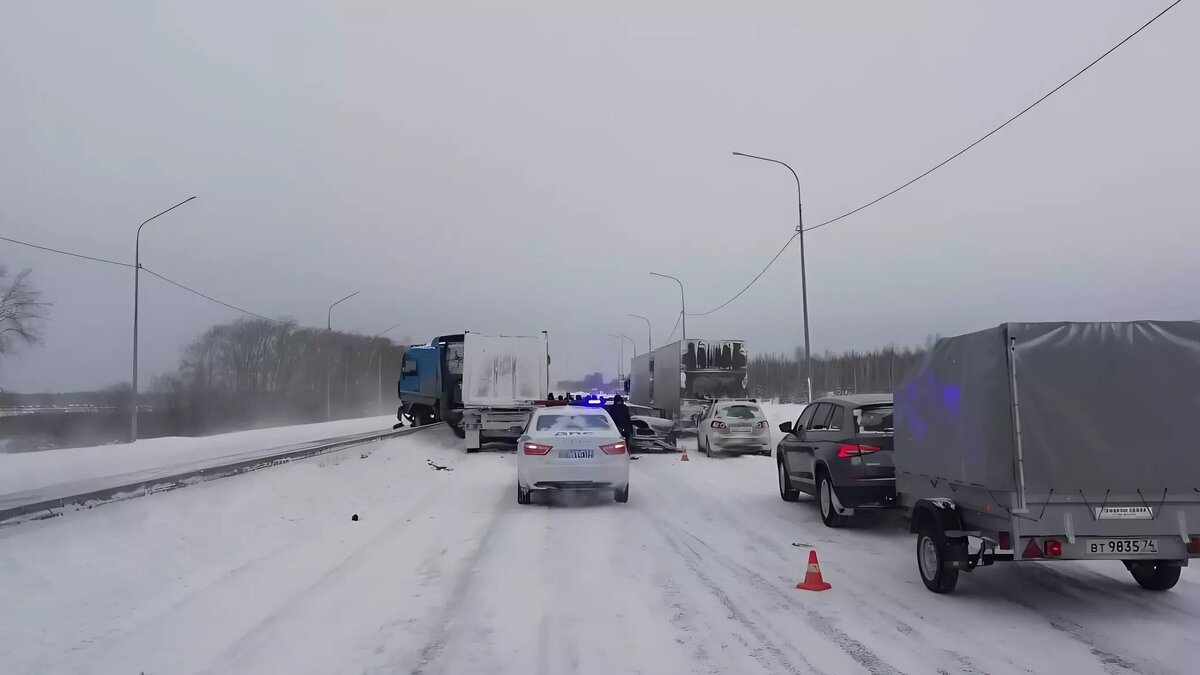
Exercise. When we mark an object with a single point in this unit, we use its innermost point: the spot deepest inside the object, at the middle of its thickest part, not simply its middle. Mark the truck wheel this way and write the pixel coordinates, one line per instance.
(786, 492)
(825, 494)
(931, 558)
(524, 496)
(1154, 575)
(458, 430)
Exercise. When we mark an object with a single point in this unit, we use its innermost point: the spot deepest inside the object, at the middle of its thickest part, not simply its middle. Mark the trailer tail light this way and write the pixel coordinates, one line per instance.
(1032, 550)
(617, 448)
(1193, 547)
(846, 450)
(1006, 541)
(537, 448)
(717, 424)
(1053, 548)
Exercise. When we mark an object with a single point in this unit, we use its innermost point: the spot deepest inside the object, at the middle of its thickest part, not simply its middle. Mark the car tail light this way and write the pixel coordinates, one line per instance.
(1006, 541)
(846, 450)
(617, 448)
(1193, 547)
(761, 425)
(537, 448)
(1032, 550)
(1053, 548)
(717, 424)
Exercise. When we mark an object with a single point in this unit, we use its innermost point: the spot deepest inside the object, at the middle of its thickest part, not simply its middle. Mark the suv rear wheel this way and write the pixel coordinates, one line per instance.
(825, 496)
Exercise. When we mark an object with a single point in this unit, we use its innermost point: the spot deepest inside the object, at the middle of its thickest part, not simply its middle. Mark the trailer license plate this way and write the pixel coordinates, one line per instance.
(1122, 546)
(576, 454)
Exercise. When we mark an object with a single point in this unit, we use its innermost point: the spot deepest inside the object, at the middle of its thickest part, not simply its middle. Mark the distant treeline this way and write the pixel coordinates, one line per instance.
(253, 372)
(781, 376)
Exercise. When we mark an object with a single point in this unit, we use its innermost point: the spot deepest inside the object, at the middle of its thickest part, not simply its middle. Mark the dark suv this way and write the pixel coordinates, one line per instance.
(840, 450)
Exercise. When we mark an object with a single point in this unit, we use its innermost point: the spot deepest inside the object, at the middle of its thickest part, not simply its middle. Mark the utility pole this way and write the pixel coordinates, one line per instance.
(137, 267)
(803, 276)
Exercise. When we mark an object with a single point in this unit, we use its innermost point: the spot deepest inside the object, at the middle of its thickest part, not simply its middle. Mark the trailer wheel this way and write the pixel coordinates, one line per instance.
(1155, 575)
(932, 550)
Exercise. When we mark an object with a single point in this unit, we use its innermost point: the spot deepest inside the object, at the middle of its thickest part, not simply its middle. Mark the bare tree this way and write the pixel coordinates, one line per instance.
(21, 314)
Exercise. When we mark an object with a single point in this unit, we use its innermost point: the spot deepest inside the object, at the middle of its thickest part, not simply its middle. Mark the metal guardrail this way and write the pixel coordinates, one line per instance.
(147, 486)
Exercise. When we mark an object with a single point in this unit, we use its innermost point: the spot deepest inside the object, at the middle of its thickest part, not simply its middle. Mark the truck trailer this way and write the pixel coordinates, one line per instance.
(1053, 441)
(679, 377)
(482, 386)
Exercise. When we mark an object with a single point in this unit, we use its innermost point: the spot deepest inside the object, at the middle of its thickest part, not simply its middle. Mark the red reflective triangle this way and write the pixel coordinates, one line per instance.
(1032, 550)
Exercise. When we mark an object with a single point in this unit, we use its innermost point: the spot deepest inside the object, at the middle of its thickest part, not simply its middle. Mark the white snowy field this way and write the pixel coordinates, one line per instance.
(28, 471)
(446, 573)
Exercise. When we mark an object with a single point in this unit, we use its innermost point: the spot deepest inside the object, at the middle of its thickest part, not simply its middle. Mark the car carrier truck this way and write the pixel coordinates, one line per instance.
(1053, 441)
(482, 386)
(678, 378)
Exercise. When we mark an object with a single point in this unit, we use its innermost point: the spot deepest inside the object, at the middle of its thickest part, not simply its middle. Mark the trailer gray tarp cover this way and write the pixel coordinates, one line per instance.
(1103, 406)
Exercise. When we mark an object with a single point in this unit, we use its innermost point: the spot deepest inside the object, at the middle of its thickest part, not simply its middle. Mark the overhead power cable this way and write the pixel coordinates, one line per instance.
(946, 161)
(62, 252)
(207, 297)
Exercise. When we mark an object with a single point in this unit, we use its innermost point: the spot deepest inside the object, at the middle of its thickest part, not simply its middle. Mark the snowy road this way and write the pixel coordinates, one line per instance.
(445, 573)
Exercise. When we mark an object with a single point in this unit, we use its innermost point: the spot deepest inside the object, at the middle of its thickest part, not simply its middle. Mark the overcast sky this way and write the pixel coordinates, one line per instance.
(521, 169)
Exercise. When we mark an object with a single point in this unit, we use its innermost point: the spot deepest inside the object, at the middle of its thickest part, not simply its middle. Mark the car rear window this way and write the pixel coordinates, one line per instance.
(876, 418)
(740, 412)
(573, 423)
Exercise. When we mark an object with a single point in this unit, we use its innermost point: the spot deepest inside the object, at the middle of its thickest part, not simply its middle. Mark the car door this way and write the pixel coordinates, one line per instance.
(791, 446)
(815, 432)
(826, 435)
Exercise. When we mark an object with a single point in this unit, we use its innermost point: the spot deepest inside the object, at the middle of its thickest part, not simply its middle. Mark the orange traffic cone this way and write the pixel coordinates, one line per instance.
(813, 581)
(684, 458)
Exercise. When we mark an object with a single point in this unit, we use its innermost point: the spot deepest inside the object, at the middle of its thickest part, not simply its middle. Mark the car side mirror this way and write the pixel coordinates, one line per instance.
(786, 427)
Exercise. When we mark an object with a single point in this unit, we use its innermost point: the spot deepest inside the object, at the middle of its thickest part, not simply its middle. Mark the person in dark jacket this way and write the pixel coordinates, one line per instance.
(619, 413)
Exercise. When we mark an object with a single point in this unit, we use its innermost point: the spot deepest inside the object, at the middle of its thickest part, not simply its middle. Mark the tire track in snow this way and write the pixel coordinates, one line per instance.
(435, 645)
(759, 542)
(1111, 662)
(353, 558)
(778, 658)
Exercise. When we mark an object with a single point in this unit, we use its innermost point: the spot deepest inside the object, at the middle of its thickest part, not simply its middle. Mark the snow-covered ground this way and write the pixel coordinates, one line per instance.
(27, 471)
(445, 573)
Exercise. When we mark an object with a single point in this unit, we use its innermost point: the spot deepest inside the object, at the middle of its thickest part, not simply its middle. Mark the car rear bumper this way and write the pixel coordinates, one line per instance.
(609, 475)
(879, 493)
(747, 444)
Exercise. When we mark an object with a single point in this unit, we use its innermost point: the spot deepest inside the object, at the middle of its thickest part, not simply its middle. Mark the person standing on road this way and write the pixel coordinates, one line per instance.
(620, 416)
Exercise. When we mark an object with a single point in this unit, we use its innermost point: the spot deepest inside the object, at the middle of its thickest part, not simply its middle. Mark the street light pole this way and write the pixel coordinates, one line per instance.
(328, 372)
(620, 356)
(379, 351)
(624, 337)
(682, 301)
(803, 276)
(137, 266)
(649, 331)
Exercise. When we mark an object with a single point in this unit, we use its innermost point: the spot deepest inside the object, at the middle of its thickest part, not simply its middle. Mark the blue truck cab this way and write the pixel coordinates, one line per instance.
(430, 386)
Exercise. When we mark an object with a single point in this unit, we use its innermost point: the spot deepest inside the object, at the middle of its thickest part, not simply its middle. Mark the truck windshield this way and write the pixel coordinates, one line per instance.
(573, 423)
(875, 418)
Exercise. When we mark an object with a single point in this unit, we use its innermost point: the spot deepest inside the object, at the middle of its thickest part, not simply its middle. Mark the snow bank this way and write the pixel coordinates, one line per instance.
(26, 471)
